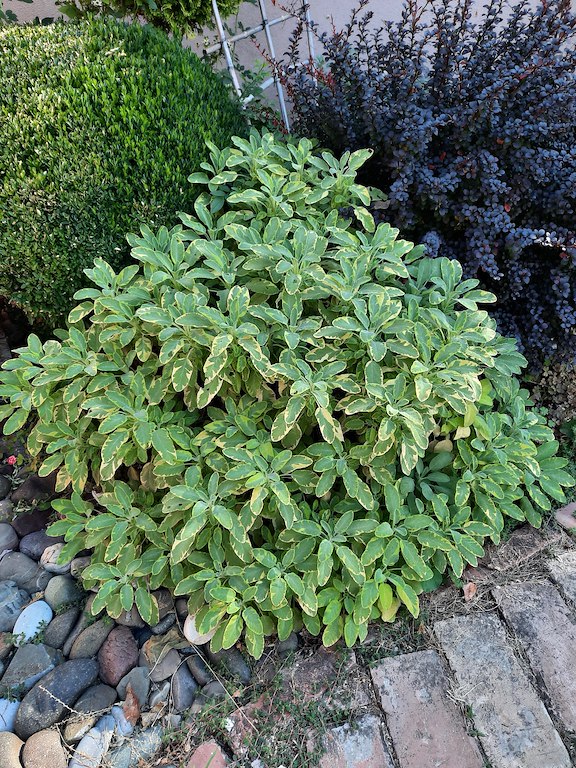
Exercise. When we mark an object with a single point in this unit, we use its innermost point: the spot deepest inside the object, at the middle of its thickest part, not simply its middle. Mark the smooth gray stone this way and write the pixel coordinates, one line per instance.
(34, 544)
(199, 669)
(8, 536)
(184, 689)
(5, 486)
(60, 628)
(61, 591)
(48, 700)
(163, 626)
(139, 679)
(24, 571)
(232, 662)
(29, 664)
(214, 690)
(12, 602)
(90, 640)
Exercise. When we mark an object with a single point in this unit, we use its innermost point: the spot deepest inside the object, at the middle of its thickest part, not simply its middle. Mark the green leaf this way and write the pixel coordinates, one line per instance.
(232, 631)
(147, 606)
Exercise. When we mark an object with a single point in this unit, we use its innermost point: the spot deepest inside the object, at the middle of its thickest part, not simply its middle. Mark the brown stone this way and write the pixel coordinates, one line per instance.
(245, 724)
(208, 755)
(358, 745)
(512, 723)
(542, 621)
(117, 656)
(35, 488)
(425, 725)
(44, 750)
(30, 522)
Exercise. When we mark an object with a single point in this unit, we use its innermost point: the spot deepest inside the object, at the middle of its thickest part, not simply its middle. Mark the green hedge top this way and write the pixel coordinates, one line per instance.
(100, 124)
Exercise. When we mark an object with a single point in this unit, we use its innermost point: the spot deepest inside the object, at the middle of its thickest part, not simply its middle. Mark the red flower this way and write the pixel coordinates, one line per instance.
(11, 460)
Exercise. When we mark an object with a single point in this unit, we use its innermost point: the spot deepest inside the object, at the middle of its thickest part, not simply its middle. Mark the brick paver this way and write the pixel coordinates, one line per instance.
(513, 725)
(357, 745)
(542, 621)
(563, 571)
(426, 726)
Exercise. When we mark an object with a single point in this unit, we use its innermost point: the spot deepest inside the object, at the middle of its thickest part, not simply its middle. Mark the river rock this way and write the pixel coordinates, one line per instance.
(214, 690)
(123, 726)
(44, 750)
(28, 522)
(12, 601)
(60, 628)
(35, 488)
(164, 625)
(10, 746)
(34, 544)
(130, 618)
(184, 689)
(118, 655)
(24, 571)
(33, 619)
(139, 679)
(6, 510)
(5, 486)
(199, 669)
(50, 559)
(8, 710)
(193, 636)
(79, 564)
(62, 591)
(8, 537)
(94, 702)
(49, 699)
(232, 662)
(142, 746)
(90, 640)
(166, 667)
(160, 694)
(94, 745)
(29, 664)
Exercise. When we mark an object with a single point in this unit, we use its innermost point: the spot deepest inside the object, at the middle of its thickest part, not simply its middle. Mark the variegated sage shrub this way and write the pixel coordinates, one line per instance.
(285, 413)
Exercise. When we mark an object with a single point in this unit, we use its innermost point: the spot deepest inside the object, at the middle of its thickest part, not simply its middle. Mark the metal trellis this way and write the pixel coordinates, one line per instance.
(265, 26)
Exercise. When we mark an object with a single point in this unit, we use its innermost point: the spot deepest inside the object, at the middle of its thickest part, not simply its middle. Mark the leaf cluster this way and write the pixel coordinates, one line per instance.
(291, 417)
(100, 125)
(177, 16)
(471, 113)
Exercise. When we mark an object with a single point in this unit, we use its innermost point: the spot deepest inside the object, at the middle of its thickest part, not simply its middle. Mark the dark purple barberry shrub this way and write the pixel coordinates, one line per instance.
(472, 115)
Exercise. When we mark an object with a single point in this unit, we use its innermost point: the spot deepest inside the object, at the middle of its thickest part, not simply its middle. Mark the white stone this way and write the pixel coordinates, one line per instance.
(49, 560)
(8, 711)
(31, 621)
(193, 636)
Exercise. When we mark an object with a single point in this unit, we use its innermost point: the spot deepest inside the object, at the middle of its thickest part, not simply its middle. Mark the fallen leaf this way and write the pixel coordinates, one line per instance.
(131, 707)
(470, 589)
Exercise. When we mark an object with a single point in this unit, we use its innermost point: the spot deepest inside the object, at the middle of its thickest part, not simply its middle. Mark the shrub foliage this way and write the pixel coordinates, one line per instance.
(472, 116)
(289, 417)
(100, 125)
(177, 16)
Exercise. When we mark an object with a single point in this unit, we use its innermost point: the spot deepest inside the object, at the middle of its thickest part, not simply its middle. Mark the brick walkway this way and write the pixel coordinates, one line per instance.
(498, 690)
